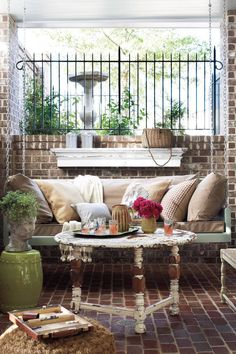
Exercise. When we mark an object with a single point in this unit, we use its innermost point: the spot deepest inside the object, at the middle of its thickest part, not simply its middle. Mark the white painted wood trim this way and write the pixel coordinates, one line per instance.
(114, 310)
(174, 285)
(229, 302)
(159, 305)
(117, 157)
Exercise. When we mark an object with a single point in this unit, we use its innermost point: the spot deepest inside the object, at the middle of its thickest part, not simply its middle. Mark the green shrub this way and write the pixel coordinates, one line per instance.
(117, 122)
(44, 113)
(173, 116)
(19, 206)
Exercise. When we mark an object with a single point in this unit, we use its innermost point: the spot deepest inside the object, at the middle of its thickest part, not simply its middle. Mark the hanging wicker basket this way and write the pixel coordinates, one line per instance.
(157, 138)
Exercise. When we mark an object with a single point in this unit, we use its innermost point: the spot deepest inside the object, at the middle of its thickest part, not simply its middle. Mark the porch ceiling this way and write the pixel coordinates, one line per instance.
(74, 13)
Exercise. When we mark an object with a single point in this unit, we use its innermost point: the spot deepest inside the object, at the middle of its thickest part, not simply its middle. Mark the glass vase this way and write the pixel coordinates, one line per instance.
(149, 225)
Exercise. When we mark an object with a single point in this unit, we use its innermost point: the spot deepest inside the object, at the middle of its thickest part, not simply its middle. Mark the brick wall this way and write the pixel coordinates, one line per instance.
(9, 89)
(9, 75)
(41, 162)
(231, 83)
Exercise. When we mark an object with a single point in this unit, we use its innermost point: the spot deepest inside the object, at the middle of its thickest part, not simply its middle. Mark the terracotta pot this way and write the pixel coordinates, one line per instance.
(149, 225)
(121, 214)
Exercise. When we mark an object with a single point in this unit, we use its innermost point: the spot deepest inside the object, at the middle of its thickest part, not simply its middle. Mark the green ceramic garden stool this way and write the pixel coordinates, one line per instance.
(21, 280)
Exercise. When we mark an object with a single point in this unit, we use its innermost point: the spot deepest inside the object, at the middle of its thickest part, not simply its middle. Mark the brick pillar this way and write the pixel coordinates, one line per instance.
(232, 116)
(9, 75)
(9, 86)
(9, 92)
(4, 33)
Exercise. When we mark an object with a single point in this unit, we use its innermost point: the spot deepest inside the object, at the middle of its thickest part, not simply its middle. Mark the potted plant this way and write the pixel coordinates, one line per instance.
(149, 211)
(173, 117)
(21, 210)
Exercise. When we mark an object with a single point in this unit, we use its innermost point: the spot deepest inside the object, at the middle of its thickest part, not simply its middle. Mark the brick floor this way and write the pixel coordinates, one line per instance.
(204, 325)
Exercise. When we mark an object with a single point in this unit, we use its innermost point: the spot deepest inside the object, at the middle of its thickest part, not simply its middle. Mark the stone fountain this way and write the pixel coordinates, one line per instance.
(88, 80)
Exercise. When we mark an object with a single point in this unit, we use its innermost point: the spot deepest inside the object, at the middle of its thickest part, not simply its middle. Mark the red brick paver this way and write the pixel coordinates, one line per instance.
(204, 325)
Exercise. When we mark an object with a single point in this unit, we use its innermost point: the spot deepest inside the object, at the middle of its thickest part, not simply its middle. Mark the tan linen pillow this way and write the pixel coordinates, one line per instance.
(26, 184)
(153, 191)
(156, 190)
(173, 179)
(113, 190)
(60, 196)
(175, 201)
(208, 198)
(182, 178)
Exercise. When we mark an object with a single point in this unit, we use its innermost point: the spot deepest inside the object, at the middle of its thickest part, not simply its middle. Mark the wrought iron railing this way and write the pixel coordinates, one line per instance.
(121, 95)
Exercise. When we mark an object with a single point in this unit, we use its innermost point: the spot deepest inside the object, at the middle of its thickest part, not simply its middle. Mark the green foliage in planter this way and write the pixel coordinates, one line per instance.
(44, 113)
(19, 206)
(172, 117)
(115, 123)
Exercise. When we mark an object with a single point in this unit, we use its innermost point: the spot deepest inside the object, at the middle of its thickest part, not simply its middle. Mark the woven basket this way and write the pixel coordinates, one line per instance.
(157, 138)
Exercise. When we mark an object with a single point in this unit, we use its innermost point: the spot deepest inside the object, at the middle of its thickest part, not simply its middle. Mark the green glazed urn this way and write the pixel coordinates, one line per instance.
(21, 279)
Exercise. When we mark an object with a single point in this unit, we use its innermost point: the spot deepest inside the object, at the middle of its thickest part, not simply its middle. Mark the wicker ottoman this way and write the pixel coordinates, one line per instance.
(98, 341)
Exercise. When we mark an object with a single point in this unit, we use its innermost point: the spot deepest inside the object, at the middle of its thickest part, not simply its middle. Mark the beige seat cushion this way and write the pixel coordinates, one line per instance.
(47, 229)
(194, 226)
(208, 198)
(25, 184)
(204, 226)
(60, 196)
(175, 201)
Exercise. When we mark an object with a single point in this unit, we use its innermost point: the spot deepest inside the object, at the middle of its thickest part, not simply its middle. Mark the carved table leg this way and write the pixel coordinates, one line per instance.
(139, 288)
(223, 289)
(76, 277)
(174, 274)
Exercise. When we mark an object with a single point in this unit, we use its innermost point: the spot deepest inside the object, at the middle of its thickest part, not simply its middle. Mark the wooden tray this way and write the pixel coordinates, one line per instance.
(49, 322)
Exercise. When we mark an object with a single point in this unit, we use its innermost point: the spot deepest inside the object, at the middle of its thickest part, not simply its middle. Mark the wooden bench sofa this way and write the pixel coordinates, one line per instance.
(215, 230)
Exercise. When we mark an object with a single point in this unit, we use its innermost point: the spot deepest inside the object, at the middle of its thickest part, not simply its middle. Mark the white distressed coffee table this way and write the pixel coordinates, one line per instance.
(78, 250)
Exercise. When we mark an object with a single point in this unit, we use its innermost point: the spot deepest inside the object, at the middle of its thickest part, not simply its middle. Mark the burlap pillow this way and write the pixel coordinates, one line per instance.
(208, 198)
(60, 196)
(25, 184)
(175, 201)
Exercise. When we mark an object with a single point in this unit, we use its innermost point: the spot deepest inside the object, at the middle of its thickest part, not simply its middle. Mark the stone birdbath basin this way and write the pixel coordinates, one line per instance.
(88, 80)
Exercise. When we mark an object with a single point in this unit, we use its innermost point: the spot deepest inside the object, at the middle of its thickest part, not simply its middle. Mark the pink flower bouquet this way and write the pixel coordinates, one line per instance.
(147, 208)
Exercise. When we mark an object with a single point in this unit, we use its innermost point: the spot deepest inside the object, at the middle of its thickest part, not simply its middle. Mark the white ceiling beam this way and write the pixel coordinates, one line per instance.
(113, 13)
(121, 23)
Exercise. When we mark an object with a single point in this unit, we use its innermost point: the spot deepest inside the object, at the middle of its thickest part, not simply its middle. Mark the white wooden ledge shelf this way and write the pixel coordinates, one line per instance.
(117, 157)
